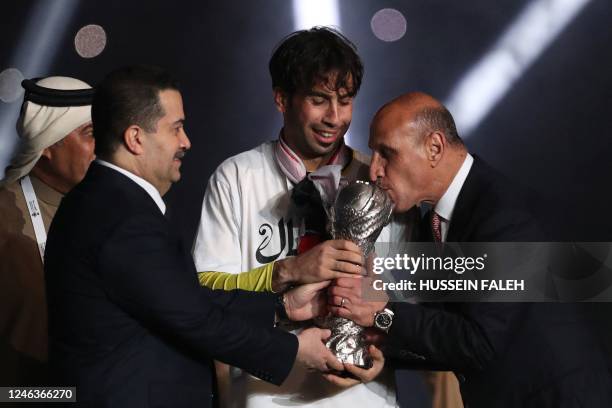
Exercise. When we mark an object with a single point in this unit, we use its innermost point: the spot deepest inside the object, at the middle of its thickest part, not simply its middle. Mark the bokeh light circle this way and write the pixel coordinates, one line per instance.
(90, 41)
(10, 85)
(388, 25)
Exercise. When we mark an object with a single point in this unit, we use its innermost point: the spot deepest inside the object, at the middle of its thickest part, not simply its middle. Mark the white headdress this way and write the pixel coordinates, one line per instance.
(47, 116)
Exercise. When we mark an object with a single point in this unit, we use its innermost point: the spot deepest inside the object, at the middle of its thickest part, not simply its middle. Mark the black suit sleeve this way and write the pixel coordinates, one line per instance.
(256, 307)
(466, 339)
(144, 271)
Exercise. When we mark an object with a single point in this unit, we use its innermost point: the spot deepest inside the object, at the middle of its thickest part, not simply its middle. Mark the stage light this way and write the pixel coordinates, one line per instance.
(309, 13)
(388, 25)
(10, 85)
(90, 41)
(483, 86)
(33, 54)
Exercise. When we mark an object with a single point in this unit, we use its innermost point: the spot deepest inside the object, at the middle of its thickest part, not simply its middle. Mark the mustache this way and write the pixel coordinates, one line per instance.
(180, 154)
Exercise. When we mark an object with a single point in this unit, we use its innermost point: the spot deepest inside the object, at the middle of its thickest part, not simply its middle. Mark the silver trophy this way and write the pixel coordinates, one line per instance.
(359, 213)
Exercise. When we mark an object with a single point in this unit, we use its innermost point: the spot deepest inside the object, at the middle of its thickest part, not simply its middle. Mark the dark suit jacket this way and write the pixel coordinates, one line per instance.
(504, 354)
(129, 324)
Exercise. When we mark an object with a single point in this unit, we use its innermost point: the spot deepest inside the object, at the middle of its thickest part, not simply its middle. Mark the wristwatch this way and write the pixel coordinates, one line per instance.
(383, 319)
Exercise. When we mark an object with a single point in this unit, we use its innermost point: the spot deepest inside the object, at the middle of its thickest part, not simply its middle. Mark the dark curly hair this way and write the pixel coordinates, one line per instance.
(306, 57)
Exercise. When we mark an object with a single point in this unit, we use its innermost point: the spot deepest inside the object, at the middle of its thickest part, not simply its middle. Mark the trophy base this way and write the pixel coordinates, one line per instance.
(357, 359)
(346, 341)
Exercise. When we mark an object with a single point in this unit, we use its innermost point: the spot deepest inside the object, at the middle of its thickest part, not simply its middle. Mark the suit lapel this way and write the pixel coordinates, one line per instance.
(112, 179)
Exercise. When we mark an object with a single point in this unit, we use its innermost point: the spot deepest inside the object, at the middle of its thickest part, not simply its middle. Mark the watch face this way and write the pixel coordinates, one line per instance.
(383, 320)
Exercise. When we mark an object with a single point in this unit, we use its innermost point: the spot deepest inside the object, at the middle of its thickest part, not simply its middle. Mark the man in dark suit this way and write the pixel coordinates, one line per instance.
(129, 325)
(504, 354)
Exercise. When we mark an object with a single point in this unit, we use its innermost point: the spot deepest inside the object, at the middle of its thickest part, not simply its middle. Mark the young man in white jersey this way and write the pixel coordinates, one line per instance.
(249, 220)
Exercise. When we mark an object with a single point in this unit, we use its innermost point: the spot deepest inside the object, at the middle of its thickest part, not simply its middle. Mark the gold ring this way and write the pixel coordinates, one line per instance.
(342, 302)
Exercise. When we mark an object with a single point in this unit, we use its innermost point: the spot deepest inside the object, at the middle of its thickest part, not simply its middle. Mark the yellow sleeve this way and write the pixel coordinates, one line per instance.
(256, 280)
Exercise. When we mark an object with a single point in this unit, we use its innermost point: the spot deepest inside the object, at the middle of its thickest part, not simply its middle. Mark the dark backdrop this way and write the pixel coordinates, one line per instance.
(550, 131)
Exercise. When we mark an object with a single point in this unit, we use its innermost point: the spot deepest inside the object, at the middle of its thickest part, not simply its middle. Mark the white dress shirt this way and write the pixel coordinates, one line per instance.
(446, 205)
(148, 187)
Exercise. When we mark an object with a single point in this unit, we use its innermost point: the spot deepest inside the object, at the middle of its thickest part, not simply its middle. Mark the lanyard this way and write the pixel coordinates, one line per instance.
(35, 215)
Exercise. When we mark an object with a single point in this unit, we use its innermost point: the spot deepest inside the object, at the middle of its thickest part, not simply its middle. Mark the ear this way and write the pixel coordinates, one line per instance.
(47, 153)
(435, 143)
(281, 100)
(133, 139)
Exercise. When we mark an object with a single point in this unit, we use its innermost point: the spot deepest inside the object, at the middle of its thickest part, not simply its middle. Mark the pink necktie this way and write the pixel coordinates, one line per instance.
(435, 226)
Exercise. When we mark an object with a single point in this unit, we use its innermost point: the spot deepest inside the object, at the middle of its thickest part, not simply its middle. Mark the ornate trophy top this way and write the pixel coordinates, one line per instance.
(360, 212)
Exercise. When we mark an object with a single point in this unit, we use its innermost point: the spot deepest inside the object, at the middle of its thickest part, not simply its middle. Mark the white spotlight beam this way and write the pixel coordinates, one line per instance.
(309, 13)
(521, 44)
(33, 56)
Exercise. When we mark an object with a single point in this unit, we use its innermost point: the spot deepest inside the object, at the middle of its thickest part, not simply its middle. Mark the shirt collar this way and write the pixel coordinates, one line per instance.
(45, 192)
(148, 187)
(292, 165)
(445, 206)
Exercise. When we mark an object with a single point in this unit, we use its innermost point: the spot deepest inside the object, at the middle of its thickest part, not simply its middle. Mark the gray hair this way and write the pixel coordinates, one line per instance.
(433, 119)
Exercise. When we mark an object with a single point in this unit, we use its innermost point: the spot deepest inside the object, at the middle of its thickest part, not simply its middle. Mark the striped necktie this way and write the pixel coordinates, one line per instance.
(436, 228)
